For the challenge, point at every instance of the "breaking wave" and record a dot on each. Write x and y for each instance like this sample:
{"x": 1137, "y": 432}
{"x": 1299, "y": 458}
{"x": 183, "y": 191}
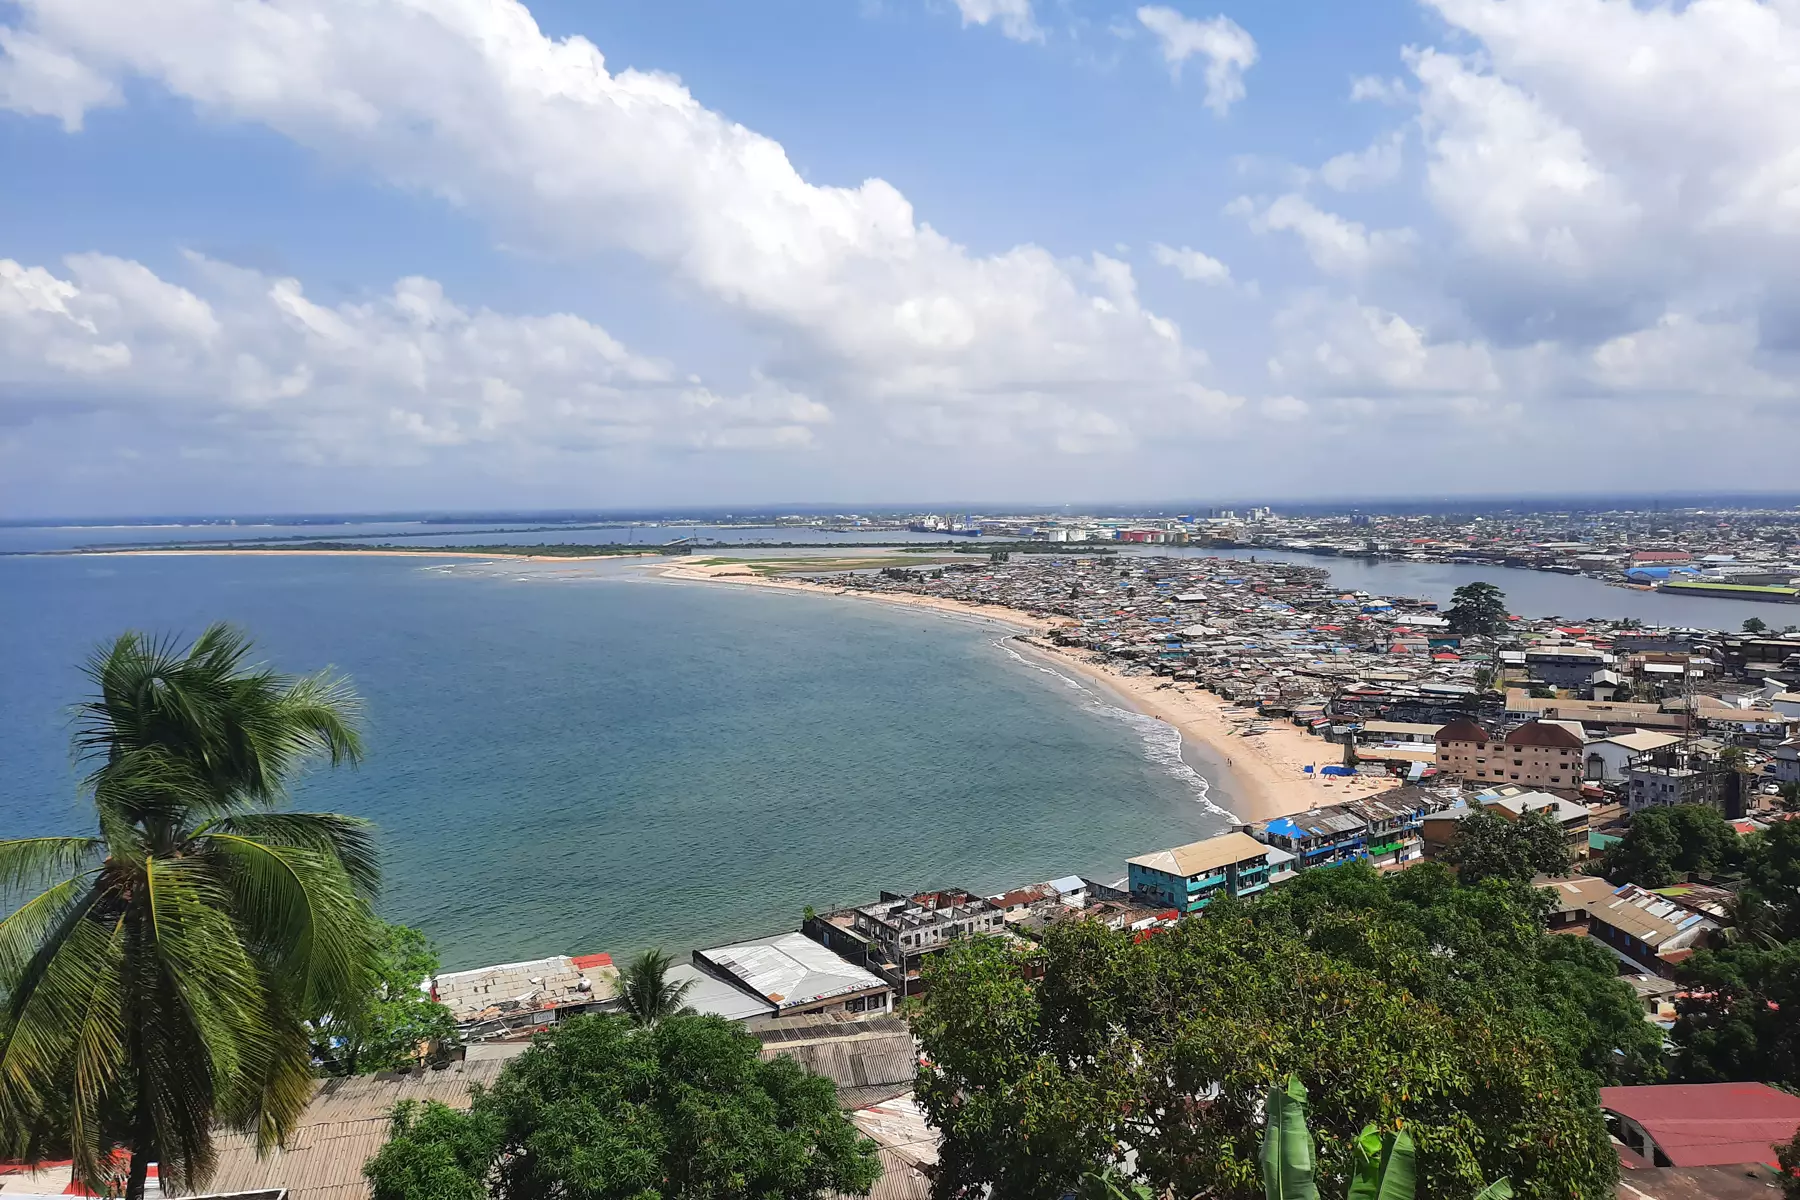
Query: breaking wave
{"x": 1161, "y": 740}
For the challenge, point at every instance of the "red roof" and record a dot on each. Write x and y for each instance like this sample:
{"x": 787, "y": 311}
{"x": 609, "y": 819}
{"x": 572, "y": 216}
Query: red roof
{"x": 588, "y": 962}
{"x": 1709, "y": 1124}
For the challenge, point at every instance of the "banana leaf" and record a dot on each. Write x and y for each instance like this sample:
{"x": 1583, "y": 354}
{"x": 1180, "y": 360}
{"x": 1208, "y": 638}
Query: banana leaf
{"x": 1500, "y": 1189}
{"x": 1287, "y": 1149}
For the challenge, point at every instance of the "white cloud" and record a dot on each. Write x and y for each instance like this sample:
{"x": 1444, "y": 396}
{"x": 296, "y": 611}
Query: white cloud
{"x": 1377, "y": 164}
{"x": 473, "y": 103}
{"x": 1014, "y": 17}
{"x": 37, "y": 78}
{"x": 1228, "y": 50}
{"x": 1378, "y": 89}
{"x": 1191, "y": 265}
{"x": 1335, "y": 245}
{"x": 1340, "y": 347}
{"x": 387, "y": 379}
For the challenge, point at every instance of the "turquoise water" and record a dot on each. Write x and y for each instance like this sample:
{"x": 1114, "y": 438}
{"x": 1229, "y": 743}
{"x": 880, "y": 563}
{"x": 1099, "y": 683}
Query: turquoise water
{"x": 587, "y": 758}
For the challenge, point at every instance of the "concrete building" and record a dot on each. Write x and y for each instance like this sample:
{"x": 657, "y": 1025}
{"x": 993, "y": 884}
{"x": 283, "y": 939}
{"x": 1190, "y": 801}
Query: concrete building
{"x": 1651, "y": 785}
{"x": 1566, "y": 666}
{"x": 514, "y": 997}
{"x": 1512, "y": 803}
{"x": 1188, "y": 877}
{"x": 797, "y": 976}
{"x": 1786, "y": 767}
{"x": 1541, "y": 754}
{"x": 1608, "y": 758}
{"x": 892, "y": 936}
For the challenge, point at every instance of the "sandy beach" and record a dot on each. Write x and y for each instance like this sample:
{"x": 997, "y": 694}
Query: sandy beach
{"x": 1267, "y": 770}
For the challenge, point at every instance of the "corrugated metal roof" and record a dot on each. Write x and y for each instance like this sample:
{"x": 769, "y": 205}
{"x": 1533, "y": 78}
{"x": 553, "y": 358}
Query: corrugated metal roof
{"x": 791, "y": 970}
{"x": 1197, "y": 858}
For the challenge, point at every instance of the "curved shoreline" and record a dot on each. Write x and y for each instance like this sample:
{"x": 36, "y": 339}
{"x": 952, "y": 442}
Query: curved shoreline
{"x": 1263, "y": 776}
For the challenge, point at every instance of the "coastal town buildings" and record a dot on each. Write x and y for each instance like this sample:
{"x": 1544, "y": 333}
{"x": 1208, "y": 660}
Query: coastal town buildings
{"x": 798, "y": 976}
{"x": 510, "y": 998}
{"x": 1512, "y": 803}
{"x": 892, "y": 936}
{"x": 1187, "y": 878}
{"x": 1647, "y": 931}
{"x": 1542, "y": 754}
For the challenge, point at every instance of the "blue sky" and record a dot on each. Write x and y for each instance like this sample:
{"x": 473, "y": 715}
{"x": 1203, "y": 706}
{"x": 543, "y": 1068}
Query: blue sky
{"x": 351, "y": 254}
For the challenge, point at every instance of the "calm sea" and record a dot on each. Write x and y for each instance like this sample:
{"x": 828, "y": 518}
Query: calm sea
{"x": 578, "y": 758}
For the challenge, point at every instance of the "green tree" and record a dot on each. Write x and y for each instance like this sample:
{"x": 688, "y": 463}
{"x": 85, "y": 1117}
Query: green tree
{"x": 1664, "y": 843}
{"x": 1487, "y": 845}
{"x": 1166, "y": 1049}
{"x": 1477, "y": 609}
{"x": 1484, "y": 946}
{"x": 1755, "y": 625}
{"x": 397, "y": 1015}
{"x": 1788, "y": 1155}
{"x": 647, "y": 994}
{"x": 162, "y": 985}
{"x": 1737, "y": 1021}
{"x": 686, "y": 1109}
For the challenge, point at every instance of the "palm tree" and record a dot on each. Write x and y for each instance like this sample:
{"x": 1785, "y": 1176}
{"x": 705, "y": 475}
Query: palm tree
{"x": 159, "y": 983}
{"x": 646, "y": 993}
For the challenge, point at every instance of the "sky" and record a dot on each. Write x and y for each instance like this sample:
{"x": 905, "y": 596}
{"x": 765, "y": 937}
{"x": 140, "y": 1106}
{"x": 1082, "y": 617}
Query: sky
{"x": 355, "y": 255}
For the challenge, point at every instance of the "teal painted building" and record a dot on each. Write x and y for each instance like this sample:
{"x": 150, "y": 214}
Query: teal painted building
{"x": 1188, "y": 877}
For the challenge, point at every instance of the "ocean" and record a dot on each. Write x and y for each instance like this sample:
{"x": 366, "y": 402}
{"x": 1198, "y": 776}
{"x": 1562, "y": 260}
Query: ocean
{"x": 569, "y": 758}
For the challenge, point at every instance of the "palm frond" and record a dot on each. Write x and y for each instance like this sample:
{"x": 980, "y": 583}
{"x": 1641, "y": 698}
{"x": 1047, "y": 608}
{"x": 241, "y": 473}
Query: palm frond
{"x": 351, "y": 840}
{"x": 241, "y": 730}
{"x": 300, "y": 918}
{"x": 28, "y": 862}
{"x": 30, "y": 927}
{"x": 203, "y": 1007}
{"x": 46, "y": 1000}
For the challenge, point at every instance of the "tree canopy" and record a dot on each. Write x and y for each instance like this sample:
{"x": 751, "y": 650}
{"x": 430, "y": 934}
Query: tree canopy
{"x": 602, "y": 1109}
{"x": 1666, "y": 842}
{"x": 396, "y": 1016}
{"x": 159, "y": 985}
{"x": 1408, "y": 1001}
{"x": 1477, "y": 609}
{"x": 1487, "y": 845}
{"x": 1737, "y": 1020}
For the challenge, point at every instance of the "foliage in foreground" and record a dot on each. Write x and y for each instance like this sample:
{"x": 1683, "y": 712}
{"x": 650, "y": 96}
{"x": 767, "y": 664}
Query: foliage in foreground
{"x": 1407, "y": 1002}
{"x": 394, "y": 1017}
{"x": 1381, "y": 1167}
{"x": 605, "y": 1110}
{"x": 160, "y": 982}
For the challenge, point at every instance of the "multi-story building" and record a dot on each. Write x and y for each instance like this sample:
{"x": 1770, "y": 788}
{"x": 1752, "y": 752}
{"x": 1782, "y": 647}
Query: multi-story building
{"x": 1566, "y": 666}
{"x": 1187, "y": 878}
{"x": 1651, "y": 785}
{"x": 1545, "y": 755}
{"x": 892, "y": 936}
{"x": 1786, "y": 767}
{"x": 1512, "y": 803}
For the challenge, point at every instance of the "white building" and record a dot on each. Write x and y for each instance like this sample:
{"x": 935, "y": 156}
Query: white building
{"x": 1608, "y": 758}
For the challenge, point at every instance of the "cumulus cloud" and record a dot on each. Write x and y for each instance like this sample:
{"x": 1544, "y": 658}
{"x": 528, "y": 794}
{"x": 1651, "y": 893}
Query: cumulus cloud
{"x": 1377, "y": 164}
{"x": 1222, "y": 42}
{"x": 1191, "y": 265}
{"x": 1014, "y": 17}
{"x": 471, "y": 102}
{"x": 1336, "y": 246}
{"x": 380, "y": 380}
